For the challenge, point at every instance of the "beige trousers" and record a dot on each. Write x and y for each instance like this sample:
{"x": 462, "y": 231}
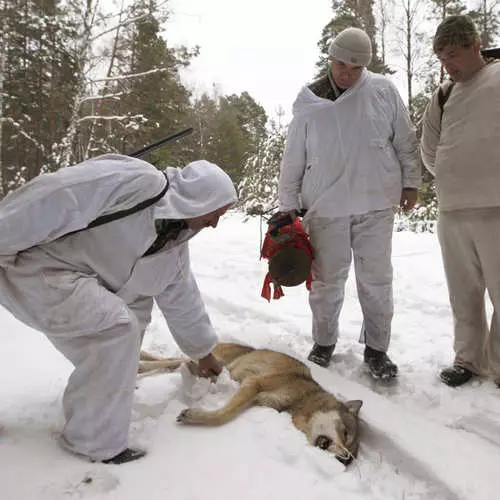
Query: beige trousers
{"x": 470, "y": 245}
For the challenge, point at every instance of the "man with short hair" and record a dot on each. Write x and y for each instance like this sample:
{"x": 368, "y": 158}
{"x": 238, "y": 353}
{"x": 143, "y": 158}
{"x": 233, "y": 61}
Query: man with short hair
{"x": 459, "y": 146}
{"x": 350, "y": 157}
{"x": 91, "y": 290}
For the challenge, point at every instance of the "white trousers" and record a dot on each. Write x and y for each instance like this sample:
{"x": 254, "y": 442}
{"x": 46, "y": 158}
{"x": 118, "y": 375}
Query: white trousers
{"x": 97, "y": 331}
{"x": 470, "y": 243}
{"x": 98, "y": 397}
{"x": 336, "y": 241}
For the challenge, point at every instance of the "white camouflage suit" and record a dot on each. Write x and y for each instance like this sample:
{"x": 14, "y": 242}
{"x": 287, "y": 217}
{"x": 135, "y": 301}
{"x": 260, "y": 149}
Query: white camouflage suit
{"x": 92, "y": 292}
{"x": 346, "y": 162}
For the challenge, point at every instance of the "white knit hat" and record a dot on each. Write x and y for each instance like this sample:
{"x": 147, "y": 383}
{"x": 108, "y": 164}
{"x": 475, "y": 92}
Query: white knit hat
{"x": 351, "y": 46}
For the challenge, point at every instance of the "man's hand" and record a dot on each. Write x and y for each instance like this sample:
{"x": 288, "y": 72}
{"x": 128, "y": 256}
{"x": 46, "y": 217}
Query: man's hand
{"x": 409, "y": 197}
{"x": 291, "y": 213}
{"x": 281, "y": 219}
{"x": 209, "y": 366}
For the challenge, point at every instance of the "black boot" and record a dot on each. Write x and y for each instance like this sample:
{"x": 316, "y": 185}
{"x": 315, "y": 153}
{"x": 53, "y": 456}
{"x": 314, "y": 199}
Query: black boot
{"x": 379, "y": 364}
{"x": 455, "y": 375}
{"x": 127, "y": 455}
{"x": 321, "y": 354}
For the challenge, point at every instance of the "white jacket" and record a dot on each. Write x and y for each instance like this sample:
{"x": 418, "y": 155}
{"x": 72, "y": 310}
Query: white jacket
{"x": 349, "y": 156}
{"x": 47, "y": 286}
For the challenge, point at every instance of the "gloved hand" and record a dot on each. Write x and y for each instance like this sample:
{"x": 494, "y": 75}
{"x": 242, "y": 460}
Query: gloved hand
{"x": 280, "y": 219}
{"x": 209, "y": 366}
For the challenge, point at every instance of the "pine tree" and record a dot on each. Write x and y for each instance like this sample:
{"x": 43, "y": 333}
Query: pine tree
{"x": 424, "y": 217}
{"x": 259, "y": 187}
{"x": 251, "y": 118}
{"x": 228, "y": 147}
{"x": 37, "y": 85}
{"x": 229, "y": 130}
{"x": 486, "y": 15}
{"x": 346, "y": 14}
{"x": 152, "y": 100}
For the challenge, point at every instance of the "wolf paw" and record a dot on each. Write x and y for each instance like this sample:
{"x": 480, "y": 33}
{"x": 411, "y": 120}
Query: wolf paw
{"x": 189, "y": 416}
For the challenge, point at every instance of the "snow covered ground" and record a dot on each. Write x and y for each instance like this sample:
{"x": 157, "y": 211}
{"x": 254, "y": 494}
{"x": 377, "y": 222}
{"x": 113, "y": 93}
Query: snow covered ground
{"x": 421, "y": 439}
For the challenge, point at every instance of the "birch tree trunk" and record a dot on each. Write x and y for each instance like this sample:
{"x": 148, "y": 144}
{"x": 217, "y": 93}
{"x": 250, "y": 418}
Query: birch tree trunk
{"x": 3, "y": 55}
{"x": 65, "y": 156}
{"x": 105, "y": 90}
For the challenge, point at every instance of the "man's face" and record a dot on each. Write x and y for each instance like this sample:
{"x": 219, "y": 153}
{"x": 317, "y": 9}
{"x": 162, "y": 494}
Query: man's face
{"x": 461, "y": 63}
{"x": 345, "y": 75}
{"x": 210, "y": 219}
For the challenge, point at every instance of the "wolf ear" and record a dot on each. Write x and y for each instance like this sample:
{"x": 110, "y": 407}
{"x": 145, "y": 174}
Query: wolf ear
{"x": 354, "y": 406}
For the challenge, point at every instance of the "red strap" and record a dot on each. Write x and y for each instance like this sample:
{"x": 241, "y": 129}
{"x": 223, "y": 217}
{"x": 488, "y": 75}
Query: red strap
{"x": 278, "y": 292}
{"x": 266, "y": 289}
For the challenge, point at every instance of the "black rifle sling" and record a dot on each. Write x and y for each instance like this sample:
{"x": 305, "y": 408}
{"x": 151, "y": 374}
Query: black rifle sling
{"x": 443, "y": 96}
{"x": 104, "y": 219}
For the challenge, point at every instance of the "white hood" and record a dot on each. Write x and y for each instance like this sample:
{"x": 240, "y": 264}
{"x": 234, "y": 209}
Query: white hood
{"x": 308, "y": 102}
{"x": 197, "y": 189}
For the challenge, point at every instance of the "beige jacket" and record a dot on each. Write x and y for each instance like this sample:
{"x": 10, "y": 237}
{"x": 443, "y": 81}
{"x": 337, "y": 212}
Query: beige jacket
{"x": 463, "y": 150}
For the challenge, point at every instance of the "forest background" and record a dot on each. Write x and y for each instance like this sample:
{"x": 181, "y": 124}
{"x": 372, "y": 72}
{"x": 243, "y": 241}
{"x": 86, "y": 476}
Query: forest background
{"x": 78, "y": 79}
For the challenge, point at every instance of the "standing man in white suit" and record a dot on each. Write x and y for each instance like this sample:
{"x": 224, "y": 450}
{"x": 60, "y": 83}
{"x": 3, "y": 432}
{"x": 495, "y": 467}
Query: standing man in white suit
{"x": 91, "y": 292}
{"x": 350, "y": 157}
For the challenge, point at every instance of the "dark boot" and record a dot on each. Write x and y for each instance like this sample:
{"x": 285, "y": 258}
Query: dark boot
{"x": 379, "y": 364}
{"x": 455, "y": 375}
{"x": 127, "y": 455}
{"x": 321, "y": 354}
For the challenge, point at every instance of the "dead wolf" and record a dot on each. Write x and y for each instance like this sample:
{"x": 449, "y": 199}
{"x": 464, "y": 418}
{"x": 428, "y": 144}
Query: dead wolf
{"x": 276, "y": 380}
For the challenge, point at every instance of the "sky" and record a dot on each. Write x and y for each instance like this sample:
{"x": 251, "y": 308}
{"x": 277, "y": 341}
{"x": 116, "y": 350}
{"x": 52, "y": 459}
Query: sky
{"x": 266, "y": 47}
{"x": 421, "y": 440}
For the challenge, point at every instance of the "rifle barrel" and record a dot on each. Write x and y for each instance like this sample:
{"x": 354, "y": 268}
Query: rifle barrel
{"x": 161, "y": 142}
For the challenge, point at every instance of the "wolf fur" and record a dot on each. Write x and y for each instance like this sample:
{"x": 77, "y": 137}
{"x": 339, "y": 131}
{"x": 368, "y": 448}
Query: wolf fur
{"x": 275, "y": 380}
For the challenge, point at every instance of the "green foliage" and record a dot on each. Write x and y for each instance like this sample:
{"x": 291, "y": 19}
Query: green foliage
{"x": 346, "y": 14}
{"x": 229, "y": 129}
{"x": 445, "y": 8}
{"x": 259, "y": 187}
{"x": 251, "y": 118}
{"x": 423, "y": 218}
{"x": 153, "y": 102}
{"x": 53, "y": 103}
{"x": 56, "y": 113}
{"x": 486, "y": 17}
{"x": 228, "y": 147}
{"x": 38, "y": 85}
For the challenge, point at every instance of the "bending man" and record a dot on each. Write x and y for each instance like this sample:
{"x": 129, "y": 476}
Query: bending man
{"x": 91, "y": 292}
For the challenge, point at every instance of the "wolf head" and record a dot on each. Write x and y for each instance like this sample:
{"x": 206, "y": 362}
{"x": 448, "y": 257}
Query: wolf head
{"x": 336, "y": 430}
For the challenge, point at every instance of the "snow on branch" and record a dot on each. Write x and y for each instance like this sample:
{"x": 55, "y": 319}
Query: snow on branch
{"x": 22, "y": 132}
{"x": 115, "y": 96}
{"x": 135, "y": 75}
{"x": 130, "y": 21}
{"x": 114, "y": 117}
{"x": 118, "y": 26}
